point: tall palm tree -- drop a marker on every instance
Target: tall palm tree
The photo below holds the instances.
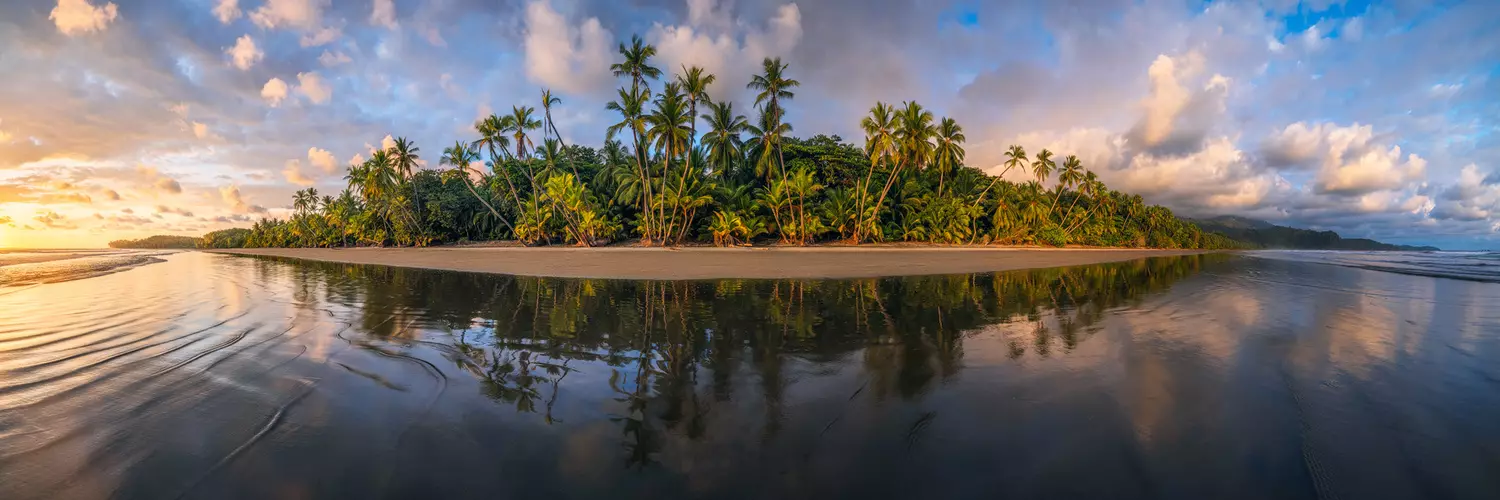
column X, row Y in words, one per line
column 1072, row 172
column 548, row 100
column 913, row 138
column 460, row 156
column 766, row 136
column 773, row 86
column 636, row 63
column 949, row 153
column 1043, row 165
column 723, row 138
column 631, row 107
column 1015, row 157
column 695, row 82
column 404, row 155
column 521, row 121
column 492, row 137
column 880, row 146
column 669, row 127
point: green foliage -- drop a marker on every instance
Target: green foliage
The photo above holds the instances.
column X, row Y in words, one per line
column 738, row 181
column 157, row 242
column 226, row 238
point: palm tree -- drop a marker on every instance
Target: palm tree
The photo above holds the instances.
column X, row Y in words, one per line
column 767, row 138
column 521, row 121
column 548, row 100
column 636, row 64
column 723, row 138
column 1015, row 157
column 913, row 139
column 695, row 84
column 631, row 106
column 492, row 130
column 950, row 151
column 460, row 156
column 1072, row 172
column 404, row 155
column 1042, row 166
column 880, row 146
column 773, row 86
column 670, row 129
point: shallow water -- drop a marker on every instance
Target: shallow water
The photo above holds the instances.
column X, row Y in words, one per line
column 212, row 376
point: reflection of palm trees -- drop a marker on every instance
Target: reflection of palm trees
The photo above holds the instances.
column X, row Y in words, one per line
column 655, row 339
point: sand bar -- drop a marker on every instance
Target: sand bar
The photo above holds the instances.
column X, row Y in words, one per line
column 710, row 263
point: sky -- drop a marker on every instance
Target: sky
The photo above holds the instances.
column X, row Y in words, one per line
column 126, row 118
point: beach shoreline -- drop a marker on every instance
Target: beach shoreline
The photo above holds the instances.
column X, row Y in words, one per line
column 697, row 263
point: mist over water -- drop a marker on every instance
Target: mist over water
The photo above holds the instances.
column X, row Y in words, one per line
column 1219, row 376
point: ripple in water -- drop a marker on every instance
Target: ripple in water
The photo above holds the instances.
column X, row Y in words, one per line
column 211, row 376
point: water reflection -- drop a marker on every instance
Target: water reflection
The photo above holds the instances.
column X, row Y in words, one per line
column 1205, row 376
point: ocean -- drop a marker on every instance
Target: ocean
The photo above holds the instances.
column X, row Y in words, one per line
column 154, row 374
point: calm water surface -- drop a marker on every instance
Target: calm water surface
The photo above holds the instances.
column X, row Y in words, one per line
column 207, row 376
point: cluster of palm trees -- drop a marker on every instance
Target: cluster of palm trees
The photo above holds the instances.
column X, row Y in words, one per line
column 657, row 180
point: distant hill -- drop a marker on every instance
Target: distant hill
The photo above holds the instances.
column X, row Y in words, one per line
column 1268, row 235
column 158, row 241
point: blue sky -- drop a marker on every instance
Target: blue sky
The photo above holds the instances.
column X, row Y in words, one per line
column 1375, row 119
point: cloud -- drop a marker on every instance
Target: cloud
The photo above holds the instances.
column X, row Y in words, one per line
column 293, row 174
column 384, row 14
column 568, row 58
column 323, row 160
column 4, row 219
column 331, row 59
column 111, row 195
column 725, row 47
column 1351, row 160
column 323, row 36
column 64, row 198
column 76, row 17
column 154, row 178
column 227, row 10
column 244, row 53
column 236, row 201
column 200, row 130
column 305, row 14
column 163, row 209
column 311, row 85
column 53, row 220
column 274, row 91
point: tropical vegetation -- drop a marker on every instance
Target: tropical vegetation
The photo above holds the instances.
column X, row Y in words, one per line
column 159, row 241
column 661, row 179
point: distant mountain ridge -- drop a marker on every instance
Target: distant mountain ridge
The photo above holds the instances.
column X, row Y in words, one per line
column 1267, row 235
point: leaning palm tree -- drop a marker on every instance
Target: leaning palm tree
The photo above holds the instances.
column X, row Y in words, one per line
column 492, row 137
column 460, row 156
column 636, row 64
column 1015, row 157
column 723, row 140
column 773, row 86
column 695, row 84
column 913, row 138
column 949, row 153
column 880, row 146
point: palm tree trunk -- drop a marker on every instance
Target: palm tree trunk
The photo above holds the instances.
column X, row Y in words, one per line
column 645, row 191
column 487, row 205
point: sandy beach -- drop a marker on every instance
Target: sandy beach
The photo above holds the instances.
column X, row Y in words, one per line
column 710, row 263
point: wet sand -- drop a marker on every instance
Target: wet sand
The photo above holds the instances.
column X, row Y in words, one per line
column 711, row 263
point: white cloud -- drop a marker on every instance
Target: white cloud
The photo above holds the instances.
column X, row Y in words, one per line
column 1168, row 96
column 388, row 142
column 227, row 10
column 74, row 17
column 274, row 91
column 293, row 173
column 312, row 86
column 1351, row 159
column 236, row 201
column 303, row 14
column 323, row 160
column 356, row 159
column 384, row 14
column 724, row 47
column 323, row 36
column 200, row 130
column 331, row 59
column 244, row 53
column 564, row 57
